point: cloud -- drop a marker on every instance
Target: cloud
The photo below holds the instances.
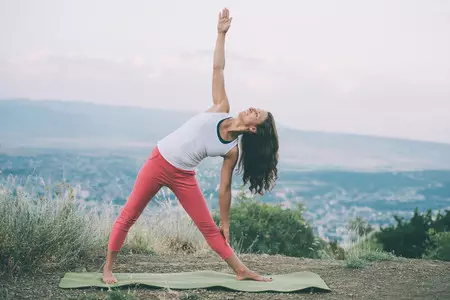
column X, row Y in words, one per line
column 373, row 68
column 176, row 81
column 300, row 94
column 56, row 76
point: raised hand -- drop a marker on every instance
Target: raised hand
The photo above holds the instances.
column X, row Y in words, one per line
column 224, row 21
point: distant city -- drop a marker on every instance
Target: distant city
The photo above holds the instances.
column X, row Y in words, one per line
column 331, row 198
column 99, row 150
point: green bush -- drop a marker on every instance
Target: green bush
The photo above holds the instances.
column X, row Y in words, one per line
column 411, row 238
column 439, row 246
column 441, row 222
column 256, row 227
column 355, row 263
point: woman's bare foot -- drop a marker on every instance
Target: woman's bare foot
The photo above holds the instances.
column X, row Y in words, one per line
column 249, row 275
column 242, row 272
column 108, row 277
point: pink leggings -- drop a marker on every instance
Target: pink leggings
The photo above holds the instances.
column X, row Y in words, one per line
column 156, row 173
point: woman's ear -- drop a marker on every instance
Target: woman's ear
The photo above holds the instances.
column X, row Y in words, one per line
column 252, row 129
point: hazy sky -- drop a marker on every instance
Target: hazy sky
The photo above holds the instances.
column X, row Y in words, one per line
column 369, row 67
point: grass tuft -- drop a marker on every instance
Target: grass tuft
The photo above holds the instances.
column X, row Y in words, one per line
column 363, row 250
column 59, row 229
column 34, row 231
column 355, row 263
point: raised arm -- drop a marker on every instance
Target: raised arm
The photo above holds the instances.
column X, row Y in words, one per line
column 220, row 99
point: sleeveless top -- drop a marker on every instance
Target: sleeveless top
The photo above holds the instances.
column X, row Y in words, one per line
column 196, row 139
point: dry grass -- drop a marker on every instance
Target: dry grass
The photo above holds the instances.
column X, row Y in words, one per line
column 60, row 228
column 165, row 230
column 363, row 249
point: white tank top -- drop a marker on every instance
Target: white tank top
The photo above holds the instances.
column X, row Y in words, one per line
column 196, row 139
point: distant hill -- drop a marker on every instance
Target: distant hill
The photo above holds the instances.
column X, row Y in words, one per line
column 30, row 121
column 64, row 124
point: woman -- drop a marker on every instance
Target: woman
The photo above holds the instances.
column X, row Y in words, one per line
column 172, row 163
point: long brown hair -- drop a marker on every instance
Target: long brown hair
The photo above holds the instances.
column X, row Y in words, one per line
column 259, row 157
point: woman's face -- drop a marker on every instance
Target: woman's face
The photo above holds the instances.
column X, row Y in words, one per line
column 252, row 117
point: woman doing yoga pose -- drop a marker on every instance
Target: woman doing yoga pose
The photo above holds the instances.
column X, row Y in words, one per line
column 209, row 134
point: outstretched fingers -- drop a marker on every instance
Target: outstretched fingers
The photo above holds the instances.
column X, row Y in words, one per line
column 224, row 14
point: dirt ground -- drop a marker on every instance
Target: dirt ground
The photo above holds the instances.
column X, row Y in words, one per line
column 404, row 279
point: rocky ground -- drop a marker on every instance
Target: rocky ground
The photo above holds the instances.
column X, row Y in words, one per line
column 402, row 279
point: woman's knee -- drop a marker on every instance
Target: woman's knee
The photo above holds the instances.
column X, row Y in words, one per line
column 126, row 219
column 208, row 228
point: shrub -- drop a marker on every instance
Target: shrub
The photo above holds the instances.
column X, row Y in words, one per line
column 410, row 238
column 442, row 222
column 377, row 255
column 355, row 263
column 257, row 227
column 439, row 246
column 37, row 231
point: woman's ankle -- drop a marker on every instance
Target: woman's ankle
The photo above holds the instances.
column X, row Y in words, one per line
column 235, row 263
column 241, row 270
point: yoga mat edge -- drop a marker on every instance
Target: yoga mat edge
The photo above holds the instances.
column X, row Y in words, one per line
column 290, row 282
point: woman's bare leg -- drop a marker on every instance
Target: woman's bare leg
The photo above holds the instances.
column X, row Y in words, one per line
column 242, row 272
column 108, row 276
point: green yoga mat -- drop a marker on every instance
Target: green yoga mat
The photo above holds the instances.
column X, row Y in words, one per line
column 196, row 280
